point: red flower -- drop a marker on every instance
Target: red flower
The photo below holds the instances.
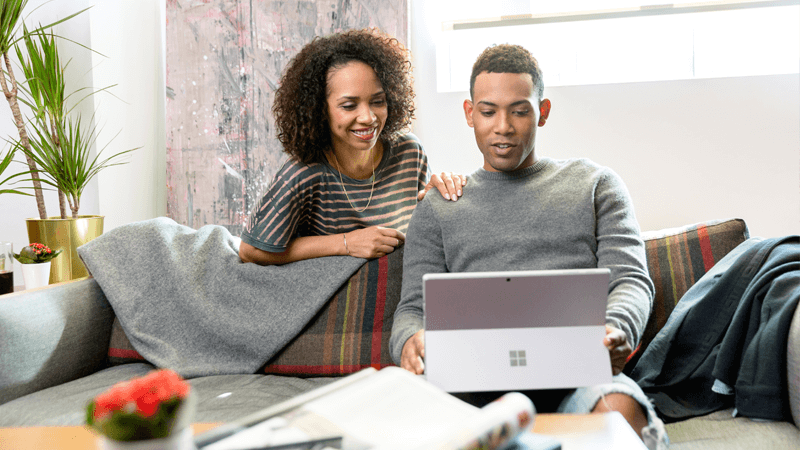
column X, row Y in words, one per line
column 141, row 408
column 141, row 395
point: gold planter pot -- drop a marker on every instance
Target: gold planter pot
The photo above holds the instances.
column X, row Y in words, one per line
column 66, row 235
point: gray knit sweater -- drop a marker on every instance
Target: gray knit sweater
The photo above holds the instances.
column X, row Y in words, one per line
column 555, row 214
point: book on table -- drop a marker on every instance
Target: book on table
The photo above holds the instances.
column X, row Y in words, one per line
column 386, row 409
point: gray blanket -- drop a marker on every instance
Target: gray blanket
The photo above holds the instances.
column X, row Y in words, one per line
column 187, row 302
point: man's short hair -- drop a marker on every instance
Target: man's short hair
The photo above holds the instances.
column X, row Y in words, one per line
column 507, row 58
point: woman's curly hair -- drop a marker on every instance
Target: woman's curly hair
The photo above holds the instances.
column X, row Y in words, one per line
column 300, row 106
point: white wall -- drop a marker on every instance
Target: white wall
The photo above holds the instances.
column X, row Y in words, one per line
column 129, row 33
column 689, row 151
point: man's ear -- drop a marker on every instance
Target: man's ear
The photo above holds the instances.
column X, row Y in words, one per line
column 468, row 112
column 544, row 111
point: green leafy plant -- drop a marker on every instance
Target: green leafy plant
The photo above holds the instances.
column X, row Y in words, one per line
column 58, row 143
column 5, row 162
column 35, row 253
column 10, row 20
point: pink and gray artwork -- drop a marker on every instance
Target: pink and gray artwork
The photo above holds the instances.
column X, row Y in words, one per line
column 224, row 60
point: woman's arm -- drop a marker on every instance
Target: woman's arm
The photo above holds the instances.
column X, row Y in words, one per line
column 371, row 242
column 298, row 249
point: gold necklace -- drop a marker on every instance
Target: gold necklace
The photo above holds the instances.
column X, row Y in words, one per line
column 345, row 189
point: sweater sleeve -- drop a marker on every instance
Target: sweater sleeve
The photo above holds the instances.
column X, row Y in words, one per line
column 621, row 250
column 274, row 220
column 423, row 253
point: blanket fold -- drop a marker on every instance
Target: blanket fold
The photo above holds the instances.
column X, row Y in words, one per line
column 187, row 302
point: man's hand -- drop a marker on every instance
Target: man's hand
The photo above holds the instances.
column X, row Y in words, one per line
column 413, row 352
column 618, row 347
column 448, row 184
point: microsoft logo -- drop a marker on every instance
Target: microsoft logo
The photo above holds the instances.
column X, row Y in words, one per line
column 517, row 358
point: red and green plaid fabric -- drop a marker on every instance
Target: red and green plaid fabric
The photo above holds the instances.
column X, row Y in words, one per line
column 351, row 331
column 120, row 349
column 677, row 258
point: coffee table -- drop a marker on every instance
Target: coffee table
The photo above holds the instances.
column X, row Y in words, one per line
column 589, row 431
column 60, row 438
column 575, row 431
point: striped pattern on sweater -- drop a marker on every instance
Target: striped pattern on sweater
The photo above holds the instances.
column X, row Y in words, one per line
column 308, row 200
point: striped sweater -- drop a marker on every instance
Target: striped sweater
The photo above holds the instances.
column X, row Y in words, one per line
column 308, row 199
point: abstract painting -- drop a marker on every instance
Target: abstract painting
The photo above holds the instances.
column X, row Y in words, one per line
column 224, row 60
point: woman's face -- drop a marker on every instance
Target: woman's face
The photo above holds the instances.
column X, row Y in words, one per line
column 357, row 107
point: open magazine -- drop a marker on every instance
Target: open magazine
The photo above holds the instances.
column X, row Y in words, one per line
column 387, row 409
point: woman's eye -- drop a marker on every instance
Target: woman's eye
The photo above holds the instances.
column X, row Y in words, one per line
column 379, row 102
column 348, row 106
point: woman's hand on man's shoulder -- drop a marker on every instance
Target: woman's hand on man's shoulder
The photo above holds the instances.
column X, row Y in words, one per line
column 450, row 185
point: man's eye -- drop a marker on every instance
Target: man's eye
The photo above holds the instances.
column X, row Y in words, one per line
column 487, row 113
column 522, row 112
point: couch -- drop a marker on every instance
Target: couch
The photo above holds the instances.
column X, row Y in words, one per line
column 61, row 345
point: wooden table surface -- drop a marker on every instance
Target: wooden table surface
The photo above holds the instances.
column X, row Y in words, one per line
column 574, row 430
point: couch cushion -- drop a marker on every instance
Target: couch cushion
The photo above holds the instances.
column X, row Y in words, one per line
column 221, row 398
column 721, row 431
column 65, row 404
column 224, row 398
column 351, row 331
column 677, row 258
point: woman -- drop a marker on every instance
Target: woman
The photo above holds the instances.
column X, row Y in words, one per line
column 353, row 176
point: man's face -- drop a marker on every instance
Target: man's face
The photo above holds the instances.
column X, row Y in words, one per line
column 504, row 113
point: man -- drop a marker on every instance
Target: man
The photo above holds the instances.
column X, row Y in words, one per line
column 525, row 212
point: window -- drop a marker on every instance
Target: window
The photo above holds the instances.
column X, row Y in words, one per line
column 624, row 43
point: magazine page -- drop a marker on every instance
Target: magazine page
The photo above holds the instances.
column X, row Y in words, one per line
column 388, row 409
column 392, row 409
column 494, row 426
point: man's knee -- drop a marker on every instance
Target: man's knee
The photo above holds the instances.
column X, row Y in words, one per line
column 626, row 405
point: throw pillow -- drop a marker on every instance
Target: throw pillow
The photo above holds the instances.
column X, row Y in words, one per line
column 352, row 330
column 677, row 258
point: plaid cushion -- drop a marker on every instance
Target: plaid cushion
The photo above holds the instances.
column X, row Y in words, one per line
column 677, row 258
column 352, row 331
column 120, row 349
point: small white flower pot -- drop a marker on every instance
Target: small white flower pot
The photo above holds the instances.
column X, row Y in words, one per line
column 181, row 440
column 36, row 275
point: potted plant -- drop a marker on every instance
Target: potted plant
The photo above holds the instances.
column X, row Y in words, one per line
column 152, row 412
column 35, row 259
column 58, row 145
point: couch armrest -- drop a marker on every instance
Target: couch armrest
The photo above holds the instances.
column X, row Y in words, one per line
column 52, row 335
column 793, row 366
